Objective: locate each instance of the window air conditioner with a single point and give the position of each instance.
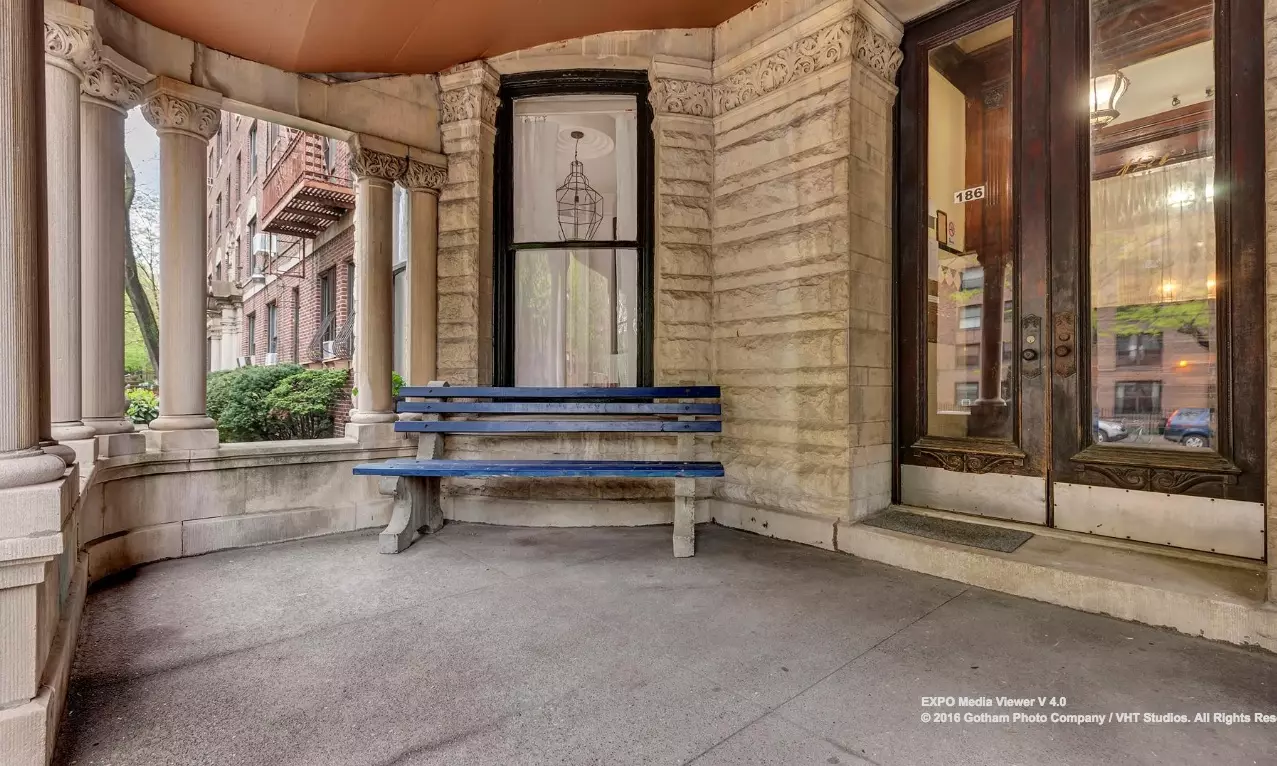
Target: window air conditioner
(330, 349)
(263, 243)
(965, 403)
(243, 361)
(272, 359)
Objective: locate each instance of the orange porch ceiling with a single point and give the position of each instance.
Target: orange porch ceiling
(408, 36)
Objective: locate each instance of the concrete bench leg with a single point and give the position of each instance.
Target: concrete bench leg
(684, 518)
(416, 510)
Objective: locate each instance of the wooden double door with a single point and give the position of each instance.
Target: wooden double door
(1080, 267)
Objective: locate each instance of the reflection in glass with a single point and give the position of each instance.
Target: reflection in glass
(971, 250)
(576, 318)
(1152, 218)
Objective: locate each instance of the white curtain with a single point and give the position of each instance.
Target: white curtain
(575, 320)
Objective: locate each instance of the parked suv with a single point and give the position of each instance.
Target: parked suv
(1190, 426)
(1107, 431)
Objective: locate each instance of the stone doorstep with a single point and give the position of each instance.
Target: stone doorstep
(1195, 594)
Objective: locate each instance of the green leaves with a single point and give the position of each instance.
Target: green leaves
(237, 401)
(144, 405)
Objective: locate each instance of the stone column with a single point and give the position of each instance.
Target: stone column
(32, 486)
(185, 117)
(427, 173)
(230, 345)
(376, 166)
(468, 114)
(109, 91)
(22, 248)
(70, 50)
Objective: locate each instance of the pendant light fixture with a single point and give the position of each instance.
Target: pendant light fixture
(580, 206)
(1106, 91)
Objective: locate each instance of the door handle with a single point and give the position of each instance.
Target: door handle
(1029, 355)
(1065, 340)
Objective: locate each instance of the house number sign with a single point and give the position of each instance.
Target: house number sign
(968, 195)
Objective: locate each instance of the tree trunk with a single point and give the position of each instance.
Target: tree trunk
(142, 308)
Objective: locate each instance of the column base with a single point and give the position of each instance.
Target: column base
(120, 425)
(376, 435)
(115, 445)
(61, 451)
(371, 416)
(184, 440)
(69, 431)
(31, 466)
(183, 423)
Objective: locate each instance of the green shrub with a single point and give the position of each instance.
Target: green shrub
(237, 401)
(301, 404)
(144, 405)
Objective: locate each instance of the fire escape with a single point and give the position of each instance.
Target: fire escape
(305, 192)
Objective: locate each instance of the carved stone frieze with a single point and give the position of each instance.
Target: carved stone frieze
(469, 103)
(670, 96)
(168, 112)
(422, 176)
(874, 50)
(848, 38)
(366, 163)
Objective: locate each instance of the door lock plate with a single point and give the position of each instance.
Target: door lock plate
(1030, 346)
(1065, 344)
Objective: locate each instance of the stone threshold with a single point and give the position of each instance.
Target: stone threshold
(1201, 594)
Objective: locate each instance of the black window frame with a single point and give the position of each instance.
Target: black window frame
(1154, 396)
(252, 334)
(1143, 357)
(328, 303)
(607, 82)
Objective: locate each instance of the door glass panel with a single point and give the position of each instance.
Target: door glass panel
(1152, 218)
(971, 235)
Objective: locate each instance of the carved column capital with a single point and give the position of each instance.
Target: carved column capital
(172, 106)
(425, 176)
(370, 163)
(70, 41)
(469, 92)
(115, 81)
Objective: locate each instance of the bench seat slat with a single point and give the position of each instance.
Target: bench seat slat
(562, 408)
(557, 426)
(543, 468)
(507, 392)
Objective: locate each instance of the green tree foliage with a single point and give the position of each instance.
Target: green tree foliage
(144, 405)
(301, 405)
(237, 401)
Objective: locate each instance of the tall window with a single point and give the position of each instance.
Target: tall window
(272, 328)
(1139, 350)
(574, 281)
(328, 304)
(297, 322)
(350, 290)
(252, 334)
(969, 318)
(252, 150)
(221, 214)
(1140, 397)
(254, 266)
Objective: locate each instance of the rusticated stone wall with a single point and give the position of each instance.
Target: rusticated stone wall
(801, 265)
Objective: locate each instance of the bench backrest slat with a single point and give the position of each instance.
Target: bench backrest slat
(557, 426)
(562, 408)
(609, 394)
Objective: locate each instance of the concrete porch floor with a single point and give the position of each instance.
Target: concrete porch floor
(494, 645)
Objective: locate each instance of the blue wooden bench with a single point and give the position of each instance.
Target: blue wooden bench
(681, 411)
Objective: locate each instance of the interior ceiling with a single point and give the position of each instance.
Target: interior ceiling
(422, 36)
